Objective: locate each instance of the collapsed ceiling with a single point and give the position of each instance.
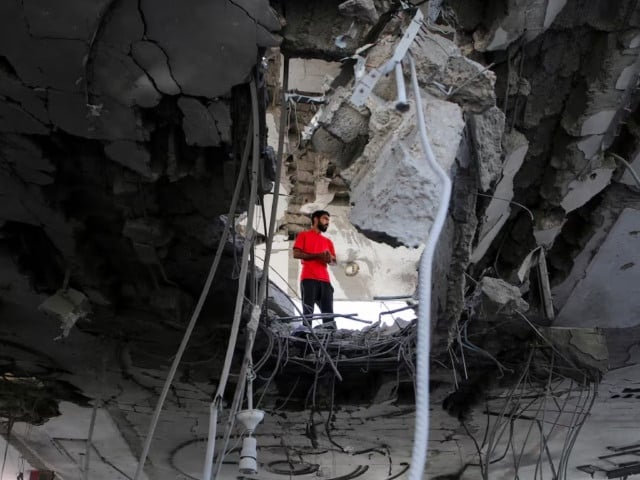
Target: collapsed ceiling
(123, 127)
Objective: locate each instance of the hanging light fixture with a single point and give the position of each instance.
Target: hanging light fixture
(249, 453)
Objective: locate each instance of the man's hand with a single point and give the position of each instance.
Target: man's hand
(325, 256)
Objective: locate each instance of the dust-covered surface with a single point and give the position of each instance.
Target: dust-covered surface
(122, 125)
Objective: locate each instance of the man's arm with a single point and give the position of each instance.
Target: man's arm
(324, 256)
(332, 251)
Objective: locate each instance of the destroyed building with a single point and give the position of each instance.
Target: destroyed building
(479, 160)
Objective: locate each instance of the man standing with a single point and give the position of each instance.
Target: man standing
(316, 252)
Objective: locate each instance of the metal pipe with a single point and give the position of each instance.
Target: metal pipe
(392, 297)
(401, 104)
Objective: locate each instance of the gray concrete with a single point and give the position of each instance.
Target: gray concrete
(607, 295)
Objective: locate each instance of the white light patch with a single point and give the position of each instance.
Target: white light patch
(369, 311)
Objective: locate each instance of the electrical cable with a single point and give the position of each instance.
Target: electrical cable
(477, 349)
(491, 445)
(526, 439)
(235, 407)
(87, 454)
(547, 341)
(421, 432)
(252, 325)
(628, 166)
(215, 405)
(543, 442)
(272, 376)
(517, 204)
(517, 408)
(196, 312)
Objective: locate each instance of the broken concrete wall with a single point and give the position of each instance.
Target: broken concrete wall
(571, 104)
(601, 225)
(393, 196)
(118, 132)
(535, 138)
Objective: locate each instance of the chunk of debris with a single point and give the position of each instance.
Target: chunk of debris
(67, 305)
(363, 9)
(497, 297)
(486, 131)
(446, 73)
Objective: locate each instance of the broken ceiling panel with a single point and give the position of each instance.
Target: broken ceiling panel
(186, 32)
(106, 120)
(30, 100)
(14, 119)
(40, 62)
(27, 158)
(117, 75)
(73, 19)
(198, 123)
(153, 60)
(120, 26)
(132, 155)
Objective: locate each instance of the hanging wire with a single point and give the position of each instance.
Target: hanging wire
(530, 400)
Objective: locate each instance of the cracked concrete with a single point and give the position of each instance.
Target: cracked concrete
(120, 134)
(154, 61)
(184, 34)
(198, 124)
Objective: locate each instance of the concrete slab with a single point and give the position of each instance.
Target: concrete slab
(607, 296)
(186, 33)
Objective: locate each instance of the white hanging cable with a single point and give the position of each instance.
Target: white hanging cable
(217, 400)
(421, 433)
(262, 290)
(198, 308)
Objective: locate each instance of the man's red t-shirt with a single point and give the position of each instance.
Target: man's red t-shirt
(311, 241)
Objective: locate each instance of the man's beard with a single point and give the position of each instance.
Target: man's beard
(323, 228)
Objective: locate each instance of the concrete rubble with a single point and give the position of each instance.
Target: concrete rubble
(499, 208)
(122, 126)
(393, 196)
(495, 297)
(445, 72)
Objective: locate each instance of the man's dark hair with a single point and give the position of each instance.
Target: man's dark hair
(319, 213)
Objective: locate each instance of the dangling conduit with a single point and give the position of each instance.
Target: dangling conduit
(362, 90)
(421, 433)
(252, 326)
(216, 404)
(198, 308)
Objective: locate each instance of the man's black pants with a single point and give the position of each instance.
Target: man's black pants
(317, 292)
